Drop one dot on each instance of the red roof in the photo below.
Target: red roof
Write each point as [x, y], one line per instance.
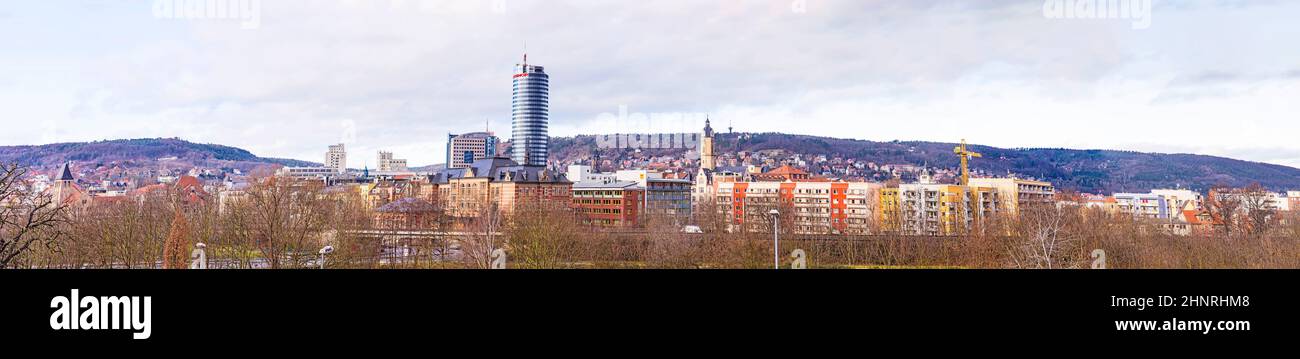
[188, 186]
[1199, 217]
[786, 170]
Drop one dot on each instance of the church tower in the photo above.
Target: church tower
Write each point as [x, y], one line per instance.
[64, 186]
[708, 160]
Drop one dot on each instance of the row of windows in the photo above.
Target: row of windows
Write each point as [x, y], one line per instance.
[538, 132]
[590, 193]
[600, 210]
[607, 202]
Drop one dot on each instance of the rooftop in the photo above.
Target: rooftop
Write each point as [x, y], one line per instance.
[606, 185]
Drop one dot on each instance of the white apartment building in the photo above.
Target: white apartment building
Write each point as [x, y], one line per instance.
[307, 172]
[1179, 200]
[389, 164]
[1015, 193]
[337, 158]
[1144, 205]
[580, 173]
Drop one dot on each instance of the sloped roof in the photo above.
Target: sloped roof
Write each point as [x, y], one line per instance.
[190, 182]
[786, 170]
[606, 185]
[66, 173]
[499, 169]
[1201, 217]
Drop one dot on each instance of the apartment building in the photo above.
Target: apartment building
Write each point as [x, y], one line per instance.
[1016, 193]
[930, 209]
[1143, 205]
[821, 207]
[337, 158]
[389, 164]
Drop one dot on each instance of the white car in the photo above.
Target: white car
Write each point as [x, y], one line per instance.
[692, 230]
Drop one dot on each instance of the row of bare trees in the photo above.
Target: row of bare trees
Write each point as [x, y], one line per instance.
[283, 224]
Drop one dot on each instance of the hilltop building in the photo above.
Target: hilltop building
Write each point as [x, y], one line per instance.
[640, 141]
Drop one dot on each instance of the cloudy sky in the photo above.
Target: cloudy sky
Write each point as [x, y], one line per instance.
[1208, 77]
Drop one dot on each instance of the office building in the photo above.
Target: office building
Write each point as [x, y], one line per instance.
[463, 150]
[608, 203]
[530, 108]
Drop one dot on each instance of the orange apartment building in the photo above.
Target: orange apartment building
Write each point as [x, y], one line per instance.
[807, 205]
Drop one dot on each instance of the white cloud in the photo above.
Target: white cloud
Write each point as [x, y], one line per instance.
[408, 72]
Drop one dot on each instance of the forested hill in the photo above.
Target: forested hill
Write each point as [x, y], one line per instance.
[139, 152]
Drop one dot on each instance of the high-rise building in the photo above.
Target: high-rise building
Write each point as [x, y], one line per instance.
[529, 114]
[389, 164]
[337, 158]
[463, 150]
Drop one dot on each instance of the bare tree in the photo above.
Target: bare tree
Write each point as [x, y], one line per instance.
[542, 235]
[1044, 237]
[174, 249]
[1223, 204]
[284, 220]
[1261, 213]
[482, 238]
[26, 218]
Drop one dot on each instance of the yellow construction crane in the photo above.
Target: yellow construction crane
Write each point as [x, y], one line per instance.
[966, 155]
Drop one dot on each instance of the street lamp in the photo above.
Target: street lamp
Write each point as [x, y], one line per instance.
[323, 252]
[776, 238]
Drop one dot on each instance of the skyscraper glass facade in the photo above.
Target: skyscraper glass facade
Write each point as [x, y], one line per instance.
[531, 106]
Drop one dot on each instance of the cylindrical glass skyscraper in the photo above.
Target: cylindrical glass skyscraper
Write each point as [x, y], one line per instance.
[530, 115]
